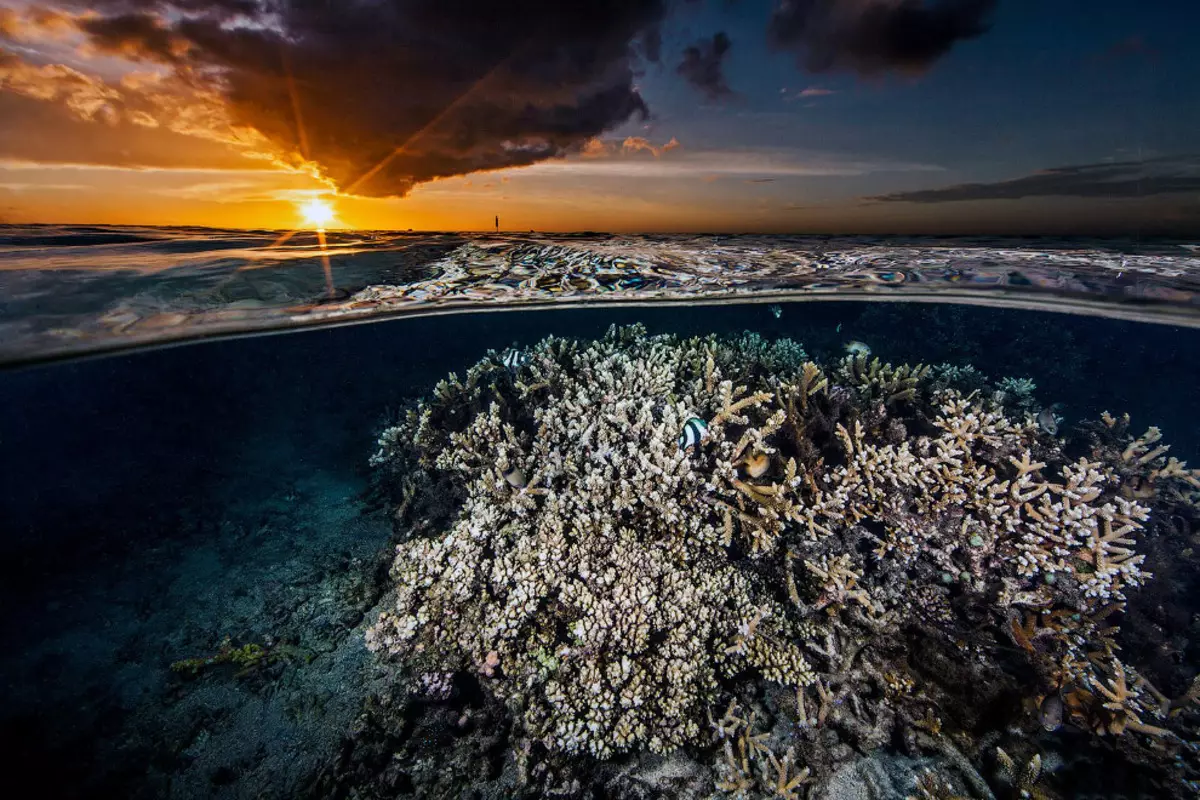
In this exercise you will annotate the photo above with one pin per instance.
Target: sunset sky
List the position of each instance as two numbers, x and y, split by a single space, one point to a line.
807 116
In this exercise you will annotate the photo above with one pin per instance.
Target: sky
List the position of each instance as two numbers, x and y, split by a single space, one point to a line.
780 116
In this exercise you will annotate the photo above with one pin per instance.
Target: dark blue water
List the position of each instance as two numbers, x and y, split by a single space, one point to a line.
168 505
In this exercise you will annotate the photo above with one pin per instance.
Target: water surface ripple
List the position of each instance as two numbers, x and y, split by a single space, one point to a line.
77 290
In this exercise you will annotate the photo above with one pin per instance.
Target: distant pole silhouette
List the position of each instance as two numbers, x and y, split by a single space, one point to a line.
497 222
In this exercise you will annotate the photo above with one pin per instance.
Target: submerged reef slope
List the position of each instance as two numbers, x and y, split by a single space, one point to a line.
648 531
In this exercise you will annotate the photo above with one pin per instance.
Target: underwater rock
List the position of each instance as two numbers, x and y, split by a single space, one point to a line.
879 776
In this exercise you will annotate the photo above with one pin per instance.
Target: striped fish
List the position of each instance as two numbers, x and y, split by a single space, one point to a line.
695 431
513 359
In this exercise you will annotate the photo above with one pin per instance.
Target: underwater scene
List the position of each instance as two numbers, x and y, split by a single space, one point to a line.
822 547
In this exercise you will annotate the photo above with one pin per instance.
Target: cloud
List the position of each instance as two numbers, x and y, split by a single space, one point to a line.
87 97
873 36
246 187
148 100
652 44
247 8
11 24
32 23
49 133
1166 175
714 164
815 91
42 187
599 148
384 95
703 66
595 148
138 37
633 144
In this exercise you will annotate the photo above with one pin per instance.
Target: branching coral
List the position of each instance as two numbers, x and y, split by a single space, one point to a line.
887 382
607 557
609 584
750 764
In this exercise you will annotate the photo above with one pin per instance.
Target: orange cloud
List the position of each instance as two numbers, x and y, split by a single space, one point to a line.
87 97
143 99
39 131
595 148
598 148
10 23
633 144
34 23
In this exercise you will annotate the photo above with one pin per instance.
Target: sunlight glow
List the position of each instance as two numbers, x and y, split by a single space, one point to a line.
317 213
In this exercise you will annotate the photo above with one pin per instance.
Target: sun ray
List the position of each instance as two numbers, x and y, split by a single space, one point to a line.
282 240
458 101
290 79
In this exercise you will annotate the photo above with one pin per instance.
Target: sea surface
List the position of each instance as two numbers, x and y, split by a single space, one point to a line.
72 290
162 509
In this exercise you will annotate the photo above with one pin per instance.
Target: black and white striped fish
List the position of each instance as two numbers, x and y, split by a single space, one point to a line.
695 431
513 359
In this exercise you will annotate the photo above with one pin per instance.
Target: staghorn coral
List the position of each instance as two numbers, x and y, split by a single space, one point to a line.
604 593
829 520
748 762
889 383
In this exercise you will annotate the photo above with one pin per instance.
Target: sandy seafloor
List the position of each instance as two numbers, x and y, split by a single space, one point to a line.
155 503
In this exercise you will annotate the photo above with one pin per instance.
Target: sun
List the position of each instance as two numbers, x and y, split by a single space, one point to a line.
317 213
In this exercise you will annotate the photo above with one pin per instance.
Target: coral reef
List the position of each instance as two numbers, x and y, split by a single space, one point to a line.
597 583
857 554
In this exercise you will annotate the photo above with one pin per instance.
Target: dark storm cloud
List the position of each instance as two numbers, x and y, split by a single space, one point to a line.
703 66
652 44
220 7
871 36
134 35
388 94
1169 175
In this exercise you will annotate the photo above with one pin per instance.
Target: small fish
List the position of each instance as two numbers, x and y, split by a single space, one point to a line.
776 310
513 359
856 347
1050 714
838 329
515 477
757 465
1046 420
695 431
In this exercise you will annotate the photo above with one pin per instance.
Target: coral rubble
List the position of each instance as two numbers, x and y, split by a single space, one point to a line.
863 551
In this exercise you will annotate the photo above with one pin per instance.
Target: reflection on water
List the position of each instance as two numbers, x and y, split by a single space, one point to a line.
75 290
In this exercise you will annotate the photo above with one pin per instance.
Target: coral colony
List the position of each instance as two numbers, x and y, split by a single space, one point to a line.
719 546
